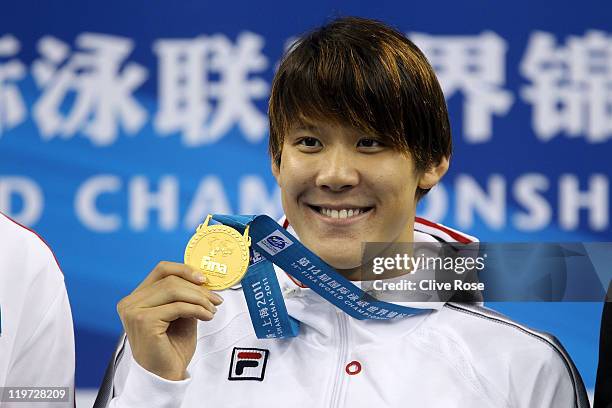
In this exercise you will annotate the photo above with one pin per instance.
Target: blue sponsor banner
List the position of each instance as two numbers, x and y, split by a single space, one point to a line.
123 124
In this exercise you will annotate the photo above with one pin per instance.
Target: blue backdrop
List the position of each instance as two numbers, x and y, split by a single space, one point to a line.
122 124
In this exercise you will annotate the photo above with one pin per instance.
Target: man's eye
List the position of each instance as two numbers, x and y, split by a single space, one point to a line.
310 142
366 142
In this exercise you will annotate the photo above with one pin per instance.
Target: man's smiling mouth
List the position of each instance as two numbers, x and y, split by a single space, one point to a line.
340 212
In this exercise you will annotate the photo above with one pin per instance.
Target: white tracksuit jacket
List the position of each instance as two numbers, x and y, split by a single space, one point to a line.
457 355
37 340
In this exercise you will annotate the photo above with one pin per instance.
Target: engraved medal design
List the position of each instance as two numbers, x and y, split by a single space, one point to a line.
219 252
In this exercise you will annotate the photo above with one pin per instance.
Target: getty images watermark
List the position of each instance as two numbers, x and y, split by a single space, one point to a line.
411 264
475 272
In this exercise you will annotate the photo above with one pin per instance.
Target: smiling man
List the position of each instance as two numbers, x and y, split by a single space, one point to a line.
359 132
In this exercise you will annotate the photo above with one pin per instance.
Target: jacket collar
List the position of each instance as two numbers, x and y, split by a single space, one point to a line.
292 287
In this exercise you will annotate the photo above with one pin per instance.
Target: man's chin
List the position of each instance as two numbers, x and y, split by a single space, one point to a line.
338 252
342 262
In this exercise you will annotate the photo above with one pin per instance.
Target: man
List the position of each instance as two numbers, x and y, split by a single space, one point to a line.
36 335
358 133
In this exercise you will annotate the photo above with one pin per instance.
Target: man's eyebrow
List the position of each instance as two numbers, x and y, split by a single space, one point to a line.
306 126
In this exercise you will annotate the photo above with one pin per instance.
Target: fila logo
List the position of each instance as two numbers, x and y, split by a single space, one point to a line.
248 364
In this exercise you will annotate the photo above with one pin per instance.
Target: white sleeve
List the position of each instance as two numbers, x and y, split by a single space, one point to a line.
135 387
547 383
527 367
44 351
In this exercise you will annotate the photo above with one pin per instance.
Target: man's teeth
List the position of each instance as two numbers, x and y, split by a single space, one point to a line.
340 214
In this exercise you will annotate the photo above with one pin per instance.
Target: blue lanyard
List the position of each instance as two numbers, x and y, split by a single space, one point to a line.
271 244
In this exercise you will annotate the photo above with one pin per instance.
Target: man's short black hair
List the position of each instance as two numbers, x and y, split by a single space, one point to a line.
364 74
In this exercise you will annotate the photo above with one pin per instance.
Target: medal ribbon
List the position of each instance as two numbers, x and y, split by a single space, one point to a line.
272 244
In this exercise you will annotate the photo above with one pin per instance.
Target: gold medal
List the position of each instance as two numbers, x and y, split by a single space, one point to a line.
219 252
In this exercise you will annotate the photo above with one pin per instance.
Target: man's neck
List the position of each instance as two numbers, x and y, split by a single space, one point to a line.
359 274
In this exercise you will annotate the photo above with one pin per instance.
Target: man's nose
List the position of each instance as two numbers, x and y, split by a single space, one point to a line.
338 170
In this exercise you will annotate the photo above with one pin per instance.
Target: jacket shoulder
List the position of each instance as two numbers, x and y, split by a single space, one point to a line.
519 356
22 249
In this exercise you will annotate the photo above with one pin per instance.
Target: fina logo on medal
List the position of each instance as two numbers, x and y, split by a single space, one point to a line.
221 249
248 364
275 243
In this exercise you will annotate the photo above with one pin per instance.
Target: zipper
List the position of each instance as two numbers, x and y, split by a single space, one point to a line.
343 332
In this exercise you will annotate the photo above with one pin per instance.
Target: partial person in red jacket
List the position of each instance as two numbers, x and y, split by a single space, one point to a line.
36 332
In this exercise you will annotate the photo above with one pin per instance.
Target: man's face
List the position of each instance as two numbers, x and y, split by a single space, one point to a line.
341 188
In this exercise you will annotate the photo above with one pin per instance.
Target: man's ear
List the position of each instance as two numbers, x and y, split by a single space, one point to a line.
274 166
432 176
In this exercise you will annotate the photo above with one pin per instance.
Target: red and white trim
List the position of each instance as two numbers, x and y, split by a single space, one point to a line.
443 232
285 223
35 233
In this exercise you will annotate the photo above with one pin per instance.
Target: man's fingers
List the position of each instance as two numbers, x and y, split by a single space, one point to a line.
167 290
173 311
174 289
214 297
165 269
